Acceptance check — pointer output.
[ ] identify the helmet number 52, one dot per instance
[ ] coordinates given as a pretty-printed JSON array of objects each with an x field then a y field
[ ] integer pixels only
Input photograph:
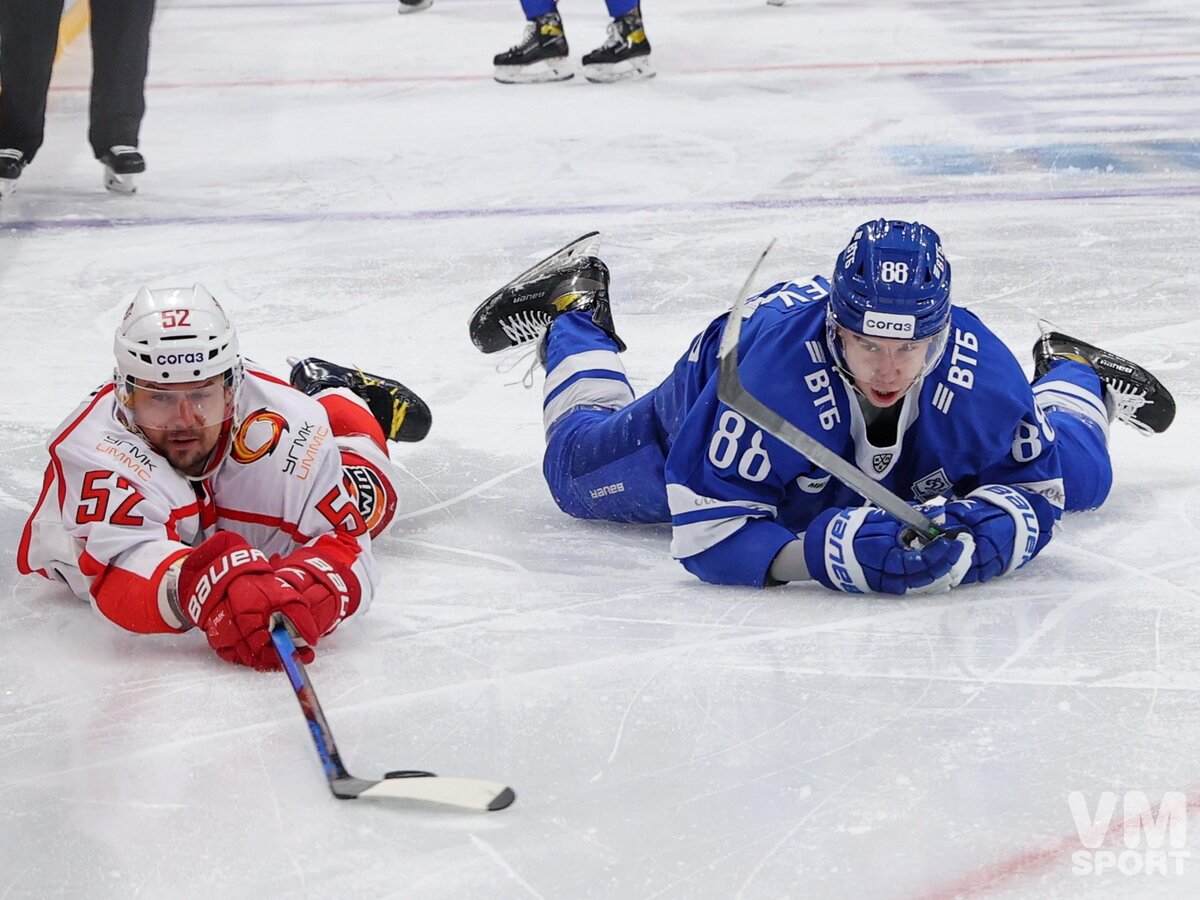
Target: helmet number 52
[{"x": 175, "y": 318}]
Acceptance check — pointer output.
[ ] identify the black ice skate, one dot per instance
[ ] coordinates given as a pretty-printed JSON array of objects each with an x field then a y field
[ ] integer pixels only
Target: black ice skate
[
  {"x": 1131, "y": 394},
  {"x": 625, "y": 55},
  {"x": 121, "y": 163},
  {"x": 11, "y": 163},
  {"x": 409, "y": 6},
  {"x": 541, "y": 55},
  {"x": 401, "y": 414},
  {"x": 572, "y": 279}
]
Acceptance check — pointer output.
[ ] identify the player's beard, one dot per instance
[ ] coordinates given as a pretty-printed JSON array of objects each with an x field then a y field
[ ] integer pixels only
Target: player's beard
[{"x": 188, "y": 449}]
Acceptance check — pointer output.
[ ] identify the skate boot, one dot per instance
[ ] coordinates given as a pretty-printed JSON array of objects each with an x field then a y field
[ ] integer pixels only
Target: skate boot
[
  {"x": 401, "y": 414},
  {"x": 1131, "y": 394},
  {"x": 541, "y": 55},
  {"x": 625, "y": 55},
  {"x": 410, "y": 6},
  {"x": 11, "y": 163},
  {"x": 572, "y": 279},
  {"x": 121, "y": 163}
]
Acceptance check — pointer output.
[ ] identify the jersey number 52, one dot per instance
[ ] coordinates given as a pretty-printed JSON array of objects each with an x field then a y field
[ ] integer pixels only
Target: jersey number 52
[{"x": 95, "y": 497}]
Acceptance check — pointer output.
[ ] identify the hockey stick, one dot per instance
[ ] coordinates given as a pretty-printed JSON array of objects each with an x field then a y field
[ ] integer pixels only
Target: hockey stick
[
  {"x": 733, "y": 394},
  {"x": 467, "y": 793}
]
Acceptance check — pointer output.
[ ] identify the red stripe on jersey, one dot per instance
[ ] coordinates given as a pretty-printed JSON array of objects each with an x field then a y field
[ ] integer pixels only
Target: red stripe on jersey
[
  {"x": 27, "y": 534},
  {"x": 238, "y": 515},
  {"x": 266, "y": 376},
  {"x": 54, "y": 460},
  {"x": 129, "y": 600},
  {"x": 53, "y": 470},
  {"x": 178, "y": 515}
]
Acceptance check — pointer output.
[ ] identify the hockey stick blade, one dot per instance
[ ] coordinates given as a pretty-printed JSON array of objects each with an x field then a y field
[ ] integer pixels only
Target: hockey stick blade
[
  {"x": 733, "y": 394},
  {"x": 463, "y": 793}
]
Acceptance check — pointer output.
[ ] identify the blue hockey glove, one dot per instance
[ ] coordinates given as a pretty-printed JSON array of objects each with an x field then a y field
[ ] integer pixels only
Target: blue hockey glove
[
  {"x": 1004, "y": 524},
  {"x": 864, "y": 549}
]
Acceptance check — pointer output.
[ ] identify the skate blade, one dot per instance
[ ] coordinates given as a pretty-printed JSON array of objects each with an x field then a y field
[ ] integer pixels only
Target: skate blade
[
  {"x": 119, "y": 184},
  {"x": 627, "y": 70},
  {"x": 7, "y": 186},
  {"x": 585, "y": 245},
  {"x": 535, "y": 73},
  {"x": 406, "y": 8}
]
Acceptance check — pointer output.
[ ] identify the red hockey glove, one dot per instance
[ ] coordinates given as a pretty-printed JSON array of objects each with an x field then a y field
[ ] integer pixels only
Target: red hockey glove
[
  {"x": 326, "y": 585},
  {"x": 229, "y": 589}
]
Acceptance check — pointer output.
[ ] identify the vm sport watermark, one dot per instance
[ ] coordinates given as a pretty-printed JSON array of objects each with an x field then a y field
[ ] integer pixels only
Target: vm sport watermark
[{"x": 1153, "y": 842}]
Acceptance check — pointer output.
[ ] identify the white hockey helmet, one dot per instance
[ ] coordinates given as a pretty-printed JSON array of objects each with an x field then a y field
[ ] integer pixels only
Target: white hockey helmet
[
  {"x": 171, "y": 337},
  {"x": 176, "y": 335}
]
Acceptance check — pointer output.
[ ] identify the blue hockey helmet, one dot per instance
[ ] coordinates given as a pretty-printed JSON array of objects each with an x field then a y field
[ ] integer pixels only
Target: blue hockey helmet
[{"x": 892, "y": 281}]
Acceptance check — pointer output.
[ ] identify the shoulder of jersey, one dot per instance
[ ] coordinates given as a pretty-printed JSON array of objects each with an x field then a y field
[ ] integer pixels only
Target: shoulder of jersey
[
  {"x": 93, "y": 438},
  {"x": 262, "y": 389},
  {"x": 977, "y": 371},
  {"x": 790, "y": 297},
  {"x": 788, "y": 368}
]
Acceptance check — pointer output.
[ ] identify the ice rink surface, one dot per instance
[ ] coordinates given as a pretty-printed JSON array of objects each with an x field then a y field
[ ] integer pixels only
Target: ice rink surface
[{"x": 351, "y": 183}]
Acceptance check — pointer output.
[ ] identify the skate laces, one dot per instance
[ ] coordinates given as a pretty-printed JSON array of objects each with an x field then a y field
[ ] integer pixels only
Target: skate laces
[
  {"x": 531, "y": 28},
  {"x": 615, "y": 38},
  {"x": 525, "y": 326},
  {"x": 368, "y": 380},
  {"x": 1124, "y": 401},
  {"x": 511, "y": 359}
]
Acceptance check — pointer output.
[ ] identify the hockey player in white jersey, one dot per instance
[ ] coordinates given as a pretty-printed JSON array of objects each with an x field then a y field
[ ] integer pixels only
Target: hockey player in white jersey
[
  {"x": 876, "y": 365},
  {"x": 195, "y": 490}
]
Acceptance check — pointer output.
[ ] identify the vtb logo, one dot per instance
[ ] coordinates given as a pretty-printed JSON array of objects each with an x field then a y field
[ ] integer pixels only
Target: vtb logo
[{"x": 243, "y": 450}]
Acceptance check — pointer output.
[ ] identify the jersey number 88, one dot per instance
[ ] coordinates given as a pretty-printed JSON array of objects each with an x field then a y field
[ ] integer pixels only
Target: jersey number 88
[{"x": 753, "y": 464}]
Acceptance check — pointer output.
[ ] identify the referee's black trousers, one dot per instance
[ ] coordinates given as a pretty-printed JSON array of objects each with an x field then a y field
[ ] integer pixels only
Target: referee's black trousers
[{"x": 120, "y": 50}]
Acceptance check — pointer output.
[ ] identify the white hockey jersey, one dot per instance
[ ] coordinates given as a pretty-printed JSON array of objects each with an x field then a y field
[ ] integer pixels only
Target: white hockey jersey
[{"x": 113, "y": 514}]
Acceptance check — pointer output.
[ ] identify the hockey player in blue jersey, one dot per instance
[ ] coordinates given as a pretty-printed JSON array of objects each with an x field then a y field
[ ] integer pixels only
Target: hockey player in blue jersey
[{"x": 878, "y": 366}]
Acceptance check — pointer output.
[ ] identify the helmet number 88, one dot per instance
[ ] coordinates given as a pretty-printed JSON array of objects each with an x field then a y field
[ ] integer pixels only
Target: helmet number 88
[
  {"x": 892, "y": 272},
  {"x": 753, "y": 464}
]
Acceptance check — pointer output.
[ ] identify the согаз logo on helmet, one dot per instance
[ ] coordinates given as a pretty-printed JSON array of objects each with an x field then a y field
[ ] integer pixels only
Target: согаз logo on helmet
[{"x": 172, "y": 359}]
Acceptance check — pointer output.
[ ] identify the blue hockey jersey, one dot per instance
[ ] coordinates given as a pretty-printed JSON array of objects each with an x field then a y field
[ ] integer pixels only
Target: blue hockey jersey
[{"x": 737, "y": 494}]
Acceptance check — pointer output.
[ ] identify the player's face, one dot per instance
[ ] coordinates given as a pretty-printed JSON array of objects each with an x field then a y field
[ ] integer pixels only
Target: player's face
[
  {"x": 883, "y": 368},
  {"x": 182, "y": 421}
]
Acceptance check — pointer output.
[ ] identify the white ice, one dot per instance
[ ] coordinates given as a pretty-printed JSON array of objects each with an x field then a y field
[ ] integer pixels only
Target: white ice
[{"x": 351, "y": 183}]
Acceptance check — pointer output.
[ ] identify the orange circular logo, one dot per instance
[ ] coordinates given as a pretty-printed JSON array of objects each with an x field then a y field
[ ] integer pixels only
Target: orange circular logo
[{"x": 242, "y": 450}]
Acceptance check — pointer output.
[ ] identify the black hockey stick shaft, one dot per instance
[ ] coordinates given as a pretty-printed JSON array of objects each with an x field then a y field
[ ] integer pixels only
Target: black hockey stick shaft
[{"x": 733, "y": 394}]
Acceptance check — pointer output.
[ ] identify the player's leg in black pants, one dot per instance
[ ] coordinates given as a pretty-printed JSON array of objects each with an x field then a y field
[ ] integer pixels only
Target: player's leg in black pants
[
  {"x": 29, "y": 36},
  {"x": 120, "y": 53}
]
